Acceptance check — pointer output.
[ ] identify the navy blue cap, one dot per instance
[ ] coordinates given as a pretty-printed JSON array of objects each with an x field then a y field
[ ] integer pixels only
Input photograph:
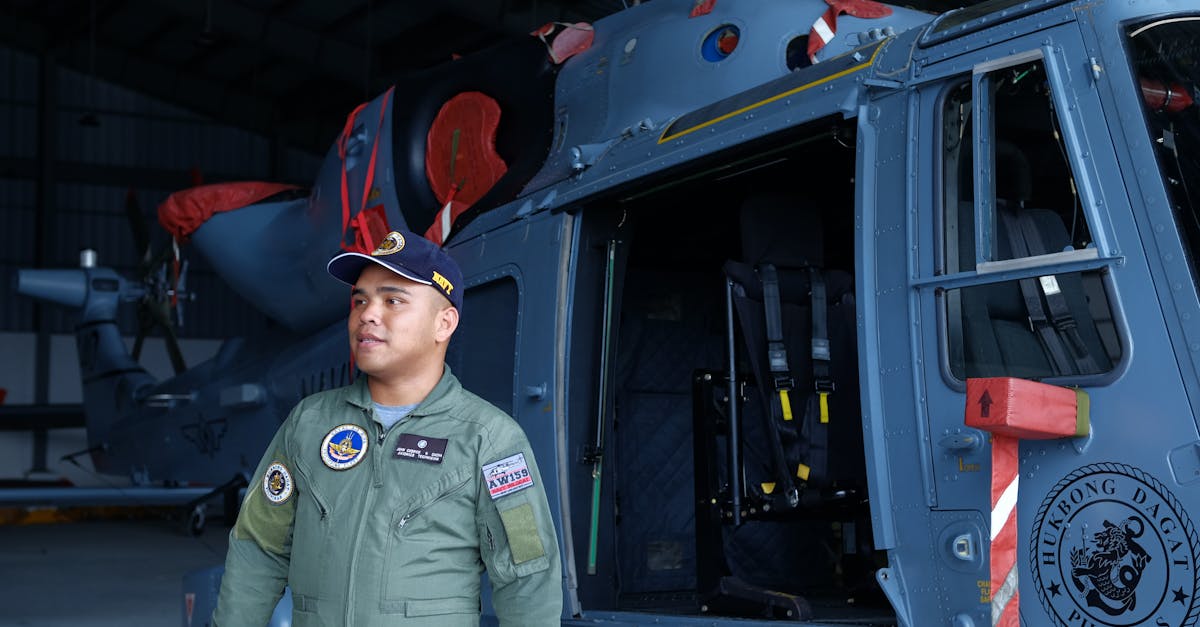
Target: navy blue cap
[{"x": 410, "y": 256}]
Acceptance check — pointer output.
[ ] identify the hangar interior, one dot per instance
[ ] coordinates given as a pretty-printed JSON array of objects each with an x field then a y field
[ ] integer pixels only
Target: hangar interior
[{"x": 109, "y": 106}]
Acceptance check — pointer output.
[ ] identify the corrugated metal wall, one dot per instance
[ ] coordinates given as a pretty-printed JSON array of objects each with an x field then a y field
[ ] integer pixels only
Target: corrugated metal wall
[{"x": 139, "y": 143}]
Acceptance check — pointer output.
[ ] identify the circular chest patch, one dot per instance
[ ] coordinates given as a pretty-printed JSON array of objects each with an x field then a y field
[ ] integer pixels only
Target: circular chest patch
[
  {"x": 1112, "y": 546},
  {"x": 344, "y": 447},
  {"x": 277, "y": 483}
]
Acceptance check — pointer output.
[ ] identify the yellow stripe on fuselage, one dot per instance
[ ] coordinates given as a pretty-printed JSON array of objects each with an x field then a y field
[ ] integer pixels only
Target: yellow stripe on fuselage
[{"x": 794, "y": 90}]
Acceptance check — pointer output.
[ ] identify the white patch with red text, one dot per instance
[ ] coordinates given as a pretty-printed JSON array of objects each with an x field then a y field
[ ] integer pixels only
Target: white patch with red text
[{"x": 508, "y": 475}]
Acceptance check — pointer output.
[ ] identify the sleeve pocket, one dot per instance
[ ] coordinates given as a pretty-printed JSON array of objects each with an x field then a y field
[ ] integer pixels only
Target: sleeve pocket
[{"x": 522, "y": 532}]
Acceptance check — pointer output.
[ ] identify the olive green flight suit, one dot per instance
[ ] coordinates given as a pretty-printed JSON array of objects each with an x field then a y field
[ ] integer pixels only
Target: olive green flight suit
[{"x": 394, "y": 537}]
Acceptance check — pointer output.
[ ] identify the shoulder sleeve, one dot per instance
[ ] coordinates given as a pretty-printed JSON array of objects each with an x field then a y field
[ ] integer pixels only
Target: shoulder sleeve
[
  {"x": 518, "y": 542},
  {"x": 256, "y": 566}
]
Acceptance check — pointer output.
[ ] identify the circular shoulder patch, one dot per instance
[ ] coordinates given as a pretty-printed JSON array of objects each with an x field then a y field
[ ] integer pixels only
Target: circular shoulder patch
[
  {"x": 1113, "y": 546},
  {"x": 344, "y": 447},
  {"x": 277, "y": 483}
]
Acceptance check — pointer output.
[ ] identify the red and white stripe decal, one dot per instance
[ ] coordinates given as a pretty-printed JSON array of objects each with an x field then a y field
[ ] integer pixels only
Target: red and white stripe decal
[
  {"x": 822, "y": 32},
  {"x": 1003, "y": 556}
]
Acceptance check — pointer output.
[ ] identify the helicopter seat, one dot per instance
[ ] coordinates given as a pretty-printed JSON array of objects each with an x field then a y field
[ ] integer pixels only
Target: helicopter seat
[
  {"x": 797, "y": 322},
  {"x": 793, "y": 458}
]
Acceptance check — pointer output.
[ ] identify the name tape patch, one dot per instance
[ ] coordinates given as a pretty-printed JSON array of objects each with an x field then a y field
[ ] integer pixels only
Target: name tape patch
[
  {"x": 508, "y": 475},
  {"x": 419, "y": 447}
]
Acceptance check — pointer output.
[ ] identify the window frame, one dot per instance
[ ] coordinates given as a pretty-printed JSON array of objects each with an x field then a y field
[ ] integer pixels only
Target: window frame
[{"x": 988, "y": 271}]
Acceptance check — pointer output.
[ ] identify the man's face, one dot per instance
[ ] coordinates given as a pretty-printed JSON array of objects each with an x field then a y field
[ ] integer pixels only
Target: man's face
[{"x": 397, "y": 327}]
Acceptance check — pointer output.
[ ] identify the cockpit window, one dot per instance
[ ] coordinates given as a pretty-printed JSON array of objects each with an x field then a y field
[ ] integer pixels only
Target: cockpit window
[
  {"x": 1016, "y": 204},
  {"x": 1166, "y": 63}
]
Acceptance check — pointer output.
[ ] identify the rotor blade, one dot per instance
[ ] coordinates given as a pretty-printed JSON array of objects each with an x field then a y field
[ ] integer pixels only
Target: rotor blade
[
  {"x": 137, "y": 224},
  {"x": 157, "y": 262}
]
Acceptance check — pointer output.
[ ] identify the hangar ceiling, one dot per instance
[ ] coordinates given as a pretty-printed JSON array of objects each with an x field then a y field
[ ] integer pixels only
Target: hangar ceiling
[
  {"x": 292, "y": 68},
  {"x": 289, "y": 69}
]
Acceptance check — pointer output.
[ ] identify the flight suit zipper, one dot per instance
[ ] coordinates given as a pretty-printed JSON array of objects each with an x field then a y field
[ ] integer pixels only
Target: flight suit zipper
[
  {"x": 312, "y": 491},
  {"x": 413, "y": 514},
  {"x": 368, "y": 504}
]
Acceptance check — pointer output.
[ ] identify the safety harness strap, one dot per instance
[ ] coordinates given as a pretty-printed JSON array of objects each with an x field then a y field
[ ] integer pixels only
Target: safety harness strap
[
  {"x": 1032, "y": 294},
  {"x": 1060, "y": 312},
  {"x": 781, "y": 376},
  {"x": 783, "y": 474},
  {"x": 822, "y": 383}
]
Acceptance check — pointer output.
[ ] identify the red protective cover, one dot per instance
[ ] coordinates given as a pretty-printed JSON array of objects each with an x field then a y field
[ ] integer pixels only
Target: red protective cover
[
  {"x": 477, "y": 166},
  {"x": 1020, "y": 408},
  {"x": 184, "y": 211}
]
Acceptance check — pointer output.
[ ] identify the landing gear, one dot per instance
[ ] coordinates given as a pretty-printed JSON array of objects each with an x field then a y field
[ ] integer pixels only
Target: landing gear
[
  {"x": 196, "y": 512},
  {"x": 194, "y": 522}
]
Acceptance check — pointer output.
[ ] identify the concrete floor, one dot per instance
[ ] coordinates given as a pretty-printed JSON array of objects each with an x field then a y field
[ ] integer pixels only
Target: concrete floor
[{"x": 105, "y": 573}]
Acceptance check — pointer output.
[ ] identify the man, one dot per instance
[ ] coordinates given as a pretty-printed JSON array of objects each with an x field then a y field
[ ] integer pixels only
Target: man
[{"x": 381, "y": 502}]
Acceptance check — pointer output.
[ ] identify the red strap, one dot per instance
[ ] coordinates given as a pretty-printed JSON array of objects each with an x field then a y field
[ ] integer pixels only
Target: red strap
[
  {"x": 702, "y": 7},
  {"x": 345, "y": 137},
  {"x": 369, "y": 179}
]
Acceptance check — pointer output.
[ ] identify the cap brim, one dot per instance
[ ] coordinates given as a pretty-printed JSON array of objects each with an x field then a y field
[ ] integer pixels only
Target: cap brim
[{"x": 347, "y": 266}]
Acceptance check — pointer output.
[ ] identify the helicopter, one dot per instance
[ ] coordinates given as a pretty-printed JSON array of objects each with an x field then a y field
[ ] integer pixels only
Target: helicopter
[{"x": 787, "y": 291}]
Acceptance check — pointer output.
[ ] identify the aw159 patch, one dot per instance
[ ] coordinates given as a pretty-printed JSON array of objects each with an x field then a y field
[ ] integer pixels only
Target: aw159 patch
[
  {"x": 412, "y": 446},
  {"x": 508, "y": 475},
  {"x": 277, "y": 483},
  {"x": 344, "y": 447}
]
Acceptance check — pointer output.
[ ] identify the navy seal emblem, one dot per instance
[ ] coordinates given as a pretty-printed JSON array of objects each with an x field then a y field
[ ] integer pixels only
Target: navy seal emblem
[
  {"x": 277, "y": 483},
  {"x": 1112, "y": 546}
]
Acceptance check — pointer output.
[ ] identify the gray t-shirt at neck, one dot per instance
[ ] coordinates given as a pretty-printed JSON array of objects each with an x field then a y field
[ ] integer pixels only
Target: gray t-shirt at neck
[{"x": 389, "y": 415}]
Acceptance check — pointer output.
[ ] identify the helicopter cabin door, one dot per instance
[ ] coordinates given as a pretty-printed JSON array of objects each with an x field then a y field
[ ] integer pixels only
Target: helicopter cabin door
[
  {"x": 1026, "y": 263},
  {"x": 505, "y": 347}
]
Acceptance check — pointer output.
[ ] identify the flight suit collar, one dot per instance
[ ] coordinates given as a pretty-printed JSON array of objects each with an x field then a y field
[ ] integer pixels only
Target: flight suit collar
[{"x": 440, "y": 398}]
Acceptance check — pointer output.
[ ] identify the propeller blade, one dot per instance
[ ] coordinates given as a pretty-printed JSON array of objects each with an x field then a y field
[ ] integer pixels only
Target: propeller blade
[
  {"x": 137, "y": 224},
  {"x": 144, "y": 325},
  {"x": 174, "y": 352},
  {"x": 162, "y": 315},
  {"x": 181, "y": 291}
]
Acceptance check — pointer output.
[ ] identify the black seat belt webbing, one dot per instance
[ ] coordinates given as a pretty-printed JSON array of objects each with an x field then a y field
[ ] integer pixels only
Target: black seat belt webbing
[
  {"x": 1060, "y": 312},
  {"x": 737, "y": 294},
  {"x": 1032, "y": 294},
  {"x": 781, "y": 376},
  {"x": 822, "y": 382}
]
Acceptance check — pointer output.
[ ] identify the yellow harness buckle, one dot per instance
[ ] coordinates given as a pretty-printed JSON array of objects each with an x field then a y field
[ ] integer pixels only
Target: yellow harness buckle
[
  {"x": 824, "y": 396},
  {"x": 802, "y": 471},
  {"x": 786, "y": 404}
]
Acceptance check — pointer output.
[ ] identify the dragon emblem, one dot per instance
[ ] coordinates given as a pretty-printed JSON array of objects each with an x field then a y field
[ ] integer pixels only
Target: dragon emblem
[{"x": 1109, "y": 567}]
